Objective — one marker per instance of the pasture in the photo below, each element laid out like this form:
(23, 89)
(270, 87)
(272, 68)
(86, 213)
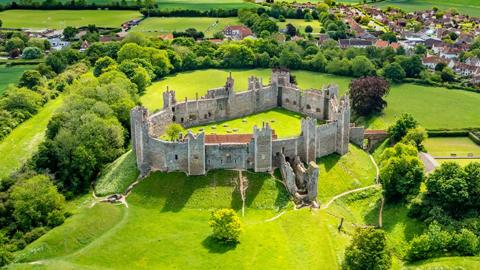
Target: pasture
(204, 4)
(470, 7)
(10, 75)
(440, 113)
(163, 25)
(59, 19)
(300, 24)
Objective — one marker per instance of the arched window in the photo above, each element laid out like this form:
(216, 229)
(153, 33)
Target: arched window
(294, 103)
(173, 118)
(308, 107)
(318, 110)
(287, 100)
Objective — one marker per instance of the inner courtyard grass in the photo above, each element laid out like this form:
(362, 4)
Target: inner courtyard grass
(277, 118)
(10, 75)
(433, 107)
(162, 25)
(59, 19)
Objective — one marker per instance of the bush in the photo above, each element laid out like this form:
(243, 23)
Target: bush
(32, 53)
(401, 127)
(368, 250)
(5, 256)
(226, 225)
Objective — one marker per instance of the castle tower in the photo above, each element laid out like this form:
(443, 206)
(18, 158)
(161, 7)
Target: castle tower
(229, 85)
(309, 139)
(196, 154)
(262, 142)
(343, 125)
(169, 98)
(312, 181)
(139, 129)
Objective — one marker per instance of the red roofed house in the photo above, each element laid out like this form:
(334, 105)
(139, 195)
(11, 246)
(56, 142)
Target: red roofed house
(237, 32)
(383, 44)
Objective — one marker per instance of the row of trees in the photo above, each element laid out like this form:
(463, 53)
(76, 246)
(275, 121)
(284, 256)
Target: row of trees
(15, 43)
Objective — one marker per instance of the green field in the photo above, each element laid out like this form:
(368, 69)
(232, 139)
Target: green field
(59, 19)
(440, 112)
(204, 4)
(471, 7)
(10, 75)
(118, 175)
(18, 146)
(163, 25)
(444, 147)
(300, 24)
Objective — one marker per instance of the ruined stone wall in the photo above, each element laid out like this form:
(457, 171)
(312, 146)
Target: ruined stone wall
(262, 141)
(159, 121)
(356, 135)
(327, 135)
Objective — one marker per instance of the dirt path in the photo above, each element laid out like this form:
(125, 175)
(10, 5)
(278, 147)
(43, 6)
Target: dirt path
(325, 206)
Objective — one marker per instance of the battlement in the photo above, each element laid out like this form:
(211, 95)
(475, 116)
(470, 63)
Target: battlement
(195, 154)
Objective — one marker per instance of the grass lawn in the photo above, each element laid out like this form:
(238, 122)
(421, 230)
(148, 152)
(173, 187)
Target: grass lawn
(300, 24)
(204, 4)
(23, 141)
(118, 175)
(471, 7)
(59, 19)
(277, 118)
(209, 26)
(166, 225)
(441, 112)
(10, 75)
(451, 145)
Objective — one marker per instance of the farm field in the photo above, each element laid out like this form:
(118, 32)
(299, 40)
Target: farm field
(59, 19)
(411, 98)
(163, 25)
(18, 146)
(470, 7)
(300, 24)
(10, 75)
(204, 4)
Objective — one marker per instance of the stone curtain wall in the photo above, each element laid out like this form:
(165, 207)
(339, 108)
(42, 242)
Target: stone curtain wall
(193, 156)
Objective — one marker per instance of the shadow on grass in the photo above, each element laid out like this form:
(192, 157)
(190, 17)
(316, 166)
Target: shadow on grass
(214, 246)
(329, 161)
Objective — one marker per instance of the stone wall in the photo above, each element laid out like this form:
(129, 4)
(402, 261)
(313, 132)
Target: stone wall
(193, 156)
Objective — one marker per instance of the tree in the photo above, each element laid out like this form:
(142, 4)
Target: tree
(308, 29)
(30, 79)
(328, 2)
(289, 58)
(173, 131)
(415, 136)
(366, 95)
(35, 201)
(236, 55)
(368, 250)
(362, 66)
(412, 65)
(141, 79)
(394, 72)
(69, 32)
(447, 75)
(104, 64)
(389, 36)
(6, 256)
(401, 127)
(308, 17)
(1, 23)
(226, 225)
(57, 61)
(401, 172)
(420, 49)
(291, 30)
(38, 42)
(23, 101)
(14, 43)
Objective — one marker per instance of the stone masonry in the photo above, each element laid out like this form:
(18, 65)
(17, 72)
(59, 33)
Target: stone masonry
(260, 151)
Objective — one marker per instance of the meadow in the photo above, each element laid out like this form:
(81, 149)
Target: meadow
(166, 224)
(163, 25)
(204, 4)
(300, 24)
(59, 19)
(10, 75)
(470, 7)
(446, 108)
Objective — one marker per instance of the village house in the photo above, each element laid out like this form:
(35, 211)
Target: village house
(465, 69)
(354, 43)
(57, 43)
(473, 61)
(237, 32)
(432, 61)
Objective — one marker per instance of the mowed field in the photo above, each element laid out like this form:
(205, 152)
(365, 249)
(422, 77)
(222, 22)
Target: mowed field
(59, 19)
(300, 24)
(166, 225)
(10, 75)
(163, 25)
(433, 107)
(204, 4)
(445, 147)
(470, 7)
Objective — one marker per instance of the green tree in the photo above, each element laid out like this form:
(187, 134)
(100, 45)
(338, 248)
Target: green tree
(37, 42)
(308, 29)
(30, 79)
(226, 225)
(447, 75)
(415, 136)
(366, 95)
(69, 32)
(394, 72)
(412, 65)
(6, 256)
(35, 201)
(173, 131)
(236, 55)
(14, 43)
(22, 101)
(141, 79)
(401, 127)
(32, 53)
(57, 61)
(103, 65)
(401, 172)
(362, 66)
(368, 250)
(389, 36)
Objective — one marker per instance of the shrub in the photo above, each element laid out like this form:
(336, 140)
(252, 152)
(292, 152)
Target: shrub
(32, 53)
(401, 127)
(368, 250)
(226, 225)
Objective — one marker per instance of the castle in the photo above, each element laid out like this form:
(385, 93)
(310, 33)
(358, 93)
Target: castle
(260, 151)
